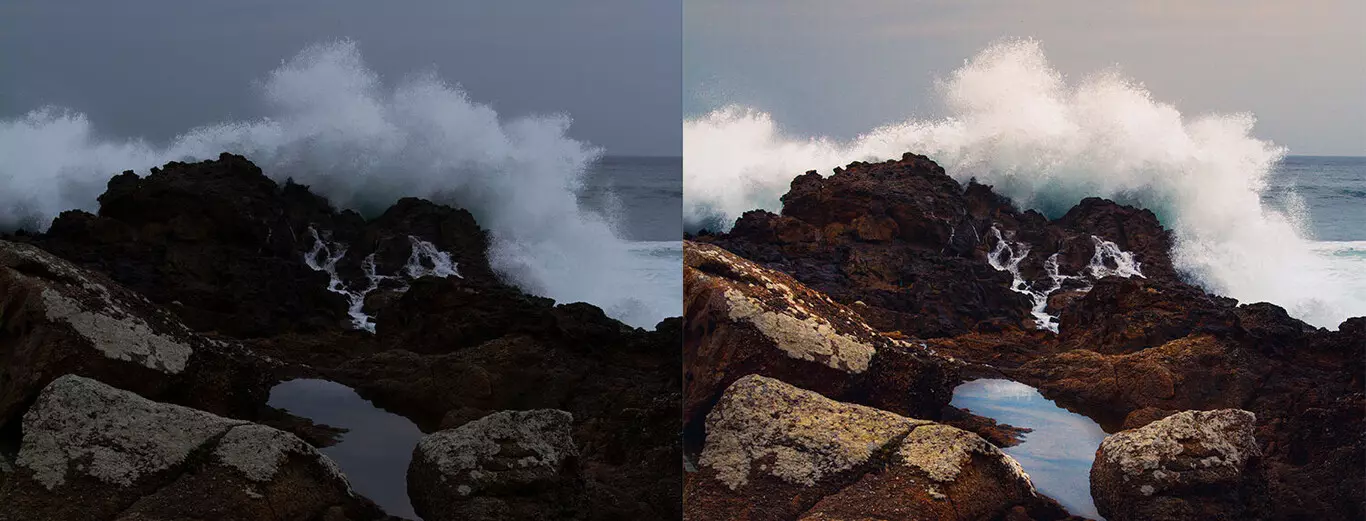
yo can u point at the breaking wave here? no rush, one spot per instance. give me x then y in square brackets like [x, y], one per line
[336, 127]
[1013, 121]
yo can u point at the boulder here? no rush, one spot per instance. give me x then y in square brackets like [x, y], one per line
[1193, 465]
[742, 318]
[59, 318]
[777, 452]
[507, 465]
[94, 452]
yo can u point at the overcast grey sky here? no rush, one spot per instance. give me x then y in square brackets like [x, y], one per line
[841, 68]
[153, 68]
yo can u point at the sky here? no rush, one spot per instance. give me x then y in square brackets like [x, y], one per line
[155, 68]
[841, 68]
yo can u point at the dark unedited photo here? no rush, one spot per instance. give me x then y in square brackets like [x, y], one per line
[1076, 260]
[340, 261]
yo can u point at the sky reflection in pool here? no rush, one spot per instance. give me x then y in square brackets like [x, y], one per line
[374, 453]
[1057, 454]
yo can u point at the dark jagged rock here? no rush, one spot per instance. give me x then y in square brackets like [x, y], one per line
[909, 242]
[221, 245]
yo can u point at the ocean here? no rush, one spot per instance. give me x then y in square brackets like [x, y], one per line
[1328, 193]
[643, 198]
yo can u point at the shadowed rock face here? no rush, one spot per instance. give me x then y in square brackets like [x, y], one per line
[914, 254]
[1188, 466]
[220, 248]
[91, 451]
[774, 451]
[508, 465]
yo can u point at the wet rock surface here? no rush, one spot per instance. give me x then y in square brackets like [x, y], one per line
[1087, 308]
[264, 282]
[1190, 465]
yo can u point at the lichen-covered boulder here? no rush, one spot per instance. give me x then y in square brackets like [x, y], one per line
[777, 452]
[1192, 465]
[507, 465]
[93, 452]
[741, 319]
[57, 318]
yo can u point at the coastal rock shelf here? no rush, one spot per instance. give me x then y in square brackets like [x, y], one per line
[1031, 319]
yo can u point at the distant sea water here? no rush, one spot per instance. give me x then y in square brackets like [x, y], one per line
[644, 197]
[1329, 194]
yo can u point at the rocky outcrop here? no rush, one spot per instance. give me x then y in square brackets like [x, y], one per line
[911, 243]
[744, 319]
[221, 245]
[471, 472]
[93, 452]
[59, 318]
[774, 451]
[1193, 465]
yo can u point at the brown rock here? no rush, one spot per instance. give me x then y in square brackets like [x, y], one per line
[1192, 465]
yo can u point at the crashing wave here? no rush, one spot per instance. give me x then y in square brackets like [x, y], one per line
[1014, 122]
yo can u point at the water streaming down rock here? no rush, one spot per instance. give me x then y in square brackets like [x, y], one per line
[425, 260]
[1108, 260]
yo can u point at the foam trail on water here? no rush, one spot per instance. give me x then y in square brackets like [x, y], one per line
[363, 144]
[1014, 122]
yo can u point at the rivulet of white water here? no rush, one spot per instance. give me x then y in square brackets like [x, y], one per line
[1011, 120]
[362, 143]
[1007, 254]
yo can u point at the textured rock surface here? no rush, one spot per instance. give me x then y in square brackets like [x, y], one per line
[507, 465]
[93, 452]
[1191, 465]
[774, 451]
[58, 318]
[743, 319]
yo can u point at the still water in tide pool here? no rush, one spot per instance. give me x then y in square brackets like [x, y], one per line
[1057, 455]
[373, 453]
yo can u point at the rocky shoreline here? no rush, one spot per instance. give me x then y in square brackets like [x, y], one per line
[172, 312]
[880, 288]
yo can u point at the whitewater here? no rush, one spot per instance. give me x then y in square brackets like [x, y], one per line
[1009, 119]
[335, 126]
